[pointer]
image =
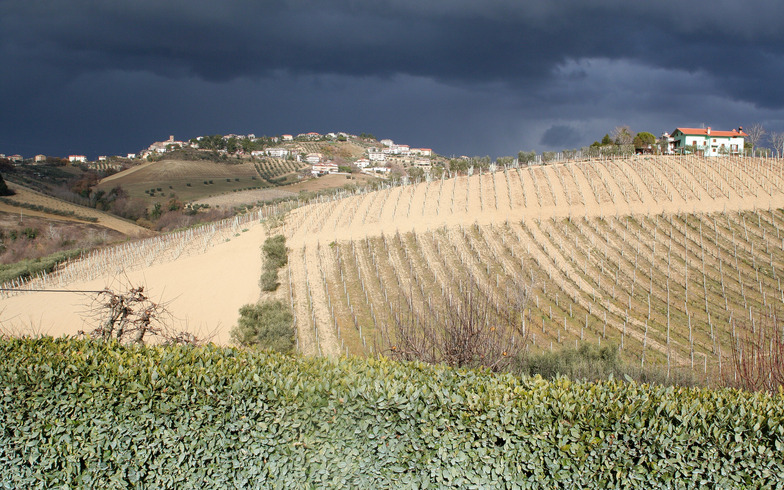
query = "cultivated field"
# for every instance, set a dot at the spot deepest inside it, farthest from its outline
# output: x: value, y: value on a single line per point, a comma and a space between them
x: 665, y: 257
x: 191, y: 180
x: 69, y: 211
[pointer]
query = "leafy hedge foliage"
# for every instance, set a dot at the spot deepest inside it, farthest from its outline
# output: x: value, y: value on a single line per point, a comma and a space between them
x: 77, y: 413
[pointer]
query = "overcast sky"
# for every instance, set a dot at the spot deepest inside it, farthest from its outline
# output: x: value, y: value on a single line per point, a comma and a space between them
x: 469, y: 77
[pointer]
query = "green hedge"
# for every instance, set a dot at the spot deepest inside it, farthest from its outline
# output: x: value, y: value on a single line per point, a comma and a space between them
x: 77, y: 413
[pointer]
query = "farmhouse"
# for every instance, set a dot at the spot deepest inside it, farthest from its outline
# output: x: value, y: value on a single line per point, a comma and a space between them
x: 707, y: 142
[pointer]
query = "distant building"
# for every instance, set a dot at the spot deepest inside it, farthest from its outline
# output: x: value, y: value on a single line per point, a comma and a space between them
x: 425, y: 152
x: 706, y: 141
x: 164, y: 146
x: 313, y: 158
x: 131, y: 156
x: 40, y: 159
x: 277, y: 152
x: 401, y: 149
x: 17, y: 159
x: 77, y: 158
x: 667, y: 143
x: 362, y: 163
x: 324, y: 168
x: 287, y: 137
x: 387, y: 142
x: 376, y: 156
x: 102, y: 158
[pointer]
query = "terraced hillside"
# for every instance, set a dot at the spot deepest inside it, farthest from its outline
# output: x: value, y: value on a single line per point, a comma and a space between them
x: 666, y: 257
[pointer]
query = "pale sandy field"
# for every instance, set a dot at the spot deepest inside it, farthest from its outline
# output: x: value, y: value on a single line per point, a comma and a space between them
x: 203, y: 292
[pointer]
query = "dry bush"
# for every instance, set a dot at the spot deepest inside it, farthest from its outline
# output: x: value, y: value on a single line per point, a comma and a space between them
x: 476, y: 330
x: 758, y: 355
x: 131, y: 316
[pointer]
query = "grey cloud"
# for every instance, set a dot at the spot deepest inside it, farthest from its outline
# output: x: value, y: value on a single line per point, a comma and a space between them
x: 561, y: 136
x: 475, y: 77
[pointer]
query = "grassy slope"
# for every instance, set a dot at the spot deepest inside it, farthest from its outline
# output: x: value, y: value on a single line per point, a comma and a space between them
x: 67, y: 210
x: 77, y: 413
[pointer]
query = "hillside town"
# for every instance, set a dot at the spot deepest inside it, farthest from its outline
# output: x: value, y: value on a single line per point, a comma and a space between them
x: 380, y: 157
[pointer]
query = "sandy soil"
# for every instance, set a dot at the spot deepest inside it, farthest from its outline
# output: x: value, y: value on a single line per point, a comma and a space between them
x: 462, y: 202
x: 203, y: 293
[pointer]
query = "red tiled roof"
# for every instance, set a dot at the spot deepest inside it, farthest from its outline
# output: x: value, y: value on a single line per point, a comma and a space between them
x: 704, y: 132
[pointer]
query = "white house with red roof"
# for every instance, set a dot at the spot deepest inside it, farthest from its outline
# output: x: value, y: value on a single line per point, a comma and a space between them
x: 708, y: 142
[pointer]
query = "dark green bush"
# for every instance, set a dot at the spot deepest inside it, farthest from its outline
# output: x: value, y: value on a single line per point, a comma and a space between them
x: 275, y: 251
x: 269, y: 325
x: 4, y: 190
x: 269, y: 279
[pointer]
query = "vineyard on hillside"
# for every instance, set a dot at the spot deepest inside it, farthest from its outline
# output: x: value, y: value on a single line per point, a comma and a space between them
x: 270, y: 169
x: 669, y: 258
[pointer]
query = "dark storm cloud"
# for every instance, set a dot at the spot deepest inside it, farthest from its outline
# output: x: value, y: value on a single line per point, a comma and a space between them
x: 561, y: 136
x: 504, y: 68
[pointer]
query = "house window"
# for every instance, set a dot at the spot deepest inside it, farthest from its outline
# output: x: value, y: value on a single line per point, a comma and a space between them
x: 714, y: 140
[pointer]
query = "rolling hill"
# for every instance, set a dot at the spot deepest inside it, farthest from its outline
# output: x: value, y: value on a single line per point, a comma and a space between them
x: 665, y: 257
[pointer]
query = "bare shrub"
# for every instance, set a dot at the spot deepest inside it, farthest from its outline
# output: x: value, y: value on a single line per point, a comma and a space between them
x: 477, y: 329
x: 131, y: 316
x: 758, y: 355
